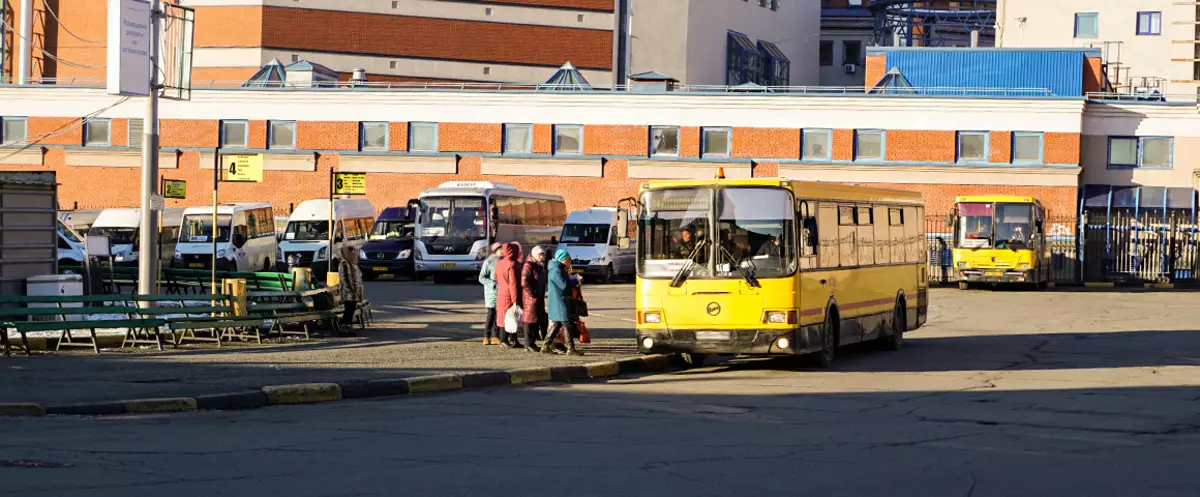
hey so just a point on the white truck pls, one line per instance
(592, 237)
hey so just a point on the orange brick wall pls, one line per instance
(85, 18)
(189, 133)
(119, 133)
(229, 27)
(327, 135)
(258, 134)
(689, 141)
(764, 169)
(921, 146)
(1062, 148)
(603, 139)
(398, 136)
(766, 143)
(470, 137)
(1000, 147)
(876, 70)
(543, 138)
(843, 144)
(71, 131)
(222, 76)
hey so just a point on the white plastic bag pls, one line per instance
(512, 319)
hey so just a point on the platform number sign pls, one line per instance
(350, 184)
(243, 168)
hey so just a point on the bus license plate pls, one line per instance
(449, 264)
(994, 273)
(379, 269)
(577, 271)
(713, 335)
(196, 264)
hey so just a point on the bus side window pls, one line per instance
(808, 234)
(827, 244)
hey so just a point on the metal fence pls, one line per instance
(1148, 245)
(1065, 263)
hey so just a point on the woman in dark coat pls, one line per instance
(508, 288)
(559, 284)
(533, 296)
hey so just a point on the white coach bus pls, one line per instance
(458, 220)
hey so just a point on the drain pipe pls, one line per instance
(26, 47)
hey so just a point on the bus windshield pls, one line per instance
(755, 232)
(673, 227)
(1013, 225)
(198, 228)
(463, 217)
(392, 230)
(585, 233)
(994, 225)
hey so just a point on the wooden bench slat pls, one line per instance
(85, 325)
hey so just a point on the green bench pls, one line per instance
(67, 314)
(196, 318)
(289, 308)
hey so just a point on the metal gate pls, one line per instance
(1138, 234)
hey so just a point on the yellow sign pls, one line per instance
(174, 188)
(350, 184)
(243, 167)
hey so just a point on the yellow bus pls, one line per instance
(776, 267)
(1000, 239)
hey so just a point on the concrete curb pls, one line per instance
(308, 393)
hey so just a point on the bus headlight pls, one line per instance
(962, 264)
(1023, 265)
(362, 255)
(647, 343)
(653, 317)
(779, 317)
(404, 254)
(321, 253)
(221, 254)
(178, 256)
(783, 343)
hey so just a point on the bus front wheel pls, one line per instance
(828, 340)
(692, 360)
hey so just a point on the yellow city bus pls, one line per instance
(776, 267)
(1000, 239)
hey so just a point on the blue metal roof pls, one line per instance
(1060, 71)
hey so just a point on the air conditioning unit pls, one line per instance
(850, 68)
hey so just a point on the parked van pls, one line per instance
(389, 247)
(245, 238)
(590, 238)
(121, 226)
(305, 242)
(80, 220)
(71, 251)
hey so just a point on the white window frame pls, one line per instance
(677, 141)
(271, 136)
(362, 136)
(245, 135)
(557, 127)
(1041, 155)
(1091, 36)
(528, 146)
(87, 132)
(1140, 152)
(728, 141)
(4, 130)
(804, 138)
(422, 125)
(882, 144)
(987, 147)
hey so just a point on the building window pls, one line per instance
(568, 139)
(1087, 25)
(816, 144)
(518, 138)
(235, 134)
(774, 4)
(856, 3)
(869, 145)
(743, 62)
(422, 137)
(1149, 23)
(826, 52)
(1146, 151)
(972, 146)
(1027, 147)
(281, 135)
(715, 142)
(851, 52)
(15, 130)
(373, 136)
(778, 67)
(664, 141)
(97, 133)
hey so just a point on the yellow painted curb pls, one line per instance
(529, 375)
(435, 383)
(1094, 284)
(603, 369)
(1161, 286)
(1051, 285)
(176, 404)
(304, 393)
(22, 410)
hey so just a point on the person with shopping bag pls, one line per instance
(487, 278)
(559, 285)
(533, 296)
(508, 289)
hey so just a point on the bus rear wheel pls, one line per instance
(606, 274)
(895, 340)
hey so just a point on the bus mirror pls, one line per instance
(623, 242)
(622, 224)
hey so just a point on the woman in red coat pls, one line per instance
(533, 296)
(508, 288)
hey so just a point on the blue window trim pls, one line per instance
(650, 140)
(1041, 156)
(423, 124)
(271, 135)
(987, 147)
(554, 144)
(362, 136)
(882, 144)
(1149, 13)
(1141, 148)
(1095, 15)
(528, 139)
(245, 125)
(3, 127)
(87, 128)
(828, 144)
(728, 141)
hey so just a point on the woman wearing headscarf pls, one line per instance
(559, 284)
(487, 278)
(533, 296)
(351, 283)
(508, 288)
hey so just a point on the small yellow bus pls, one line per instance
(1000, 239)
(776, 267)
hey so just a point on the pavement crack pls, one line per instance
(974, 481)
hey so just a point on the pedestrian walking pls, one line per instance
(487, 278)
(350, 285)
(508, 288)
(559, 285)
(533, 296)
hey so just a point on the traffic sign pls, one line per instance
(350, 184)
(157, 202)
(175, 188)
(243, 168)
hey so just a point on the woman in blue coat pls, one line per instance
(558, 309)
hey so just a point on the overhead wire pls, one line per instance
(48, 54)
(68, 30)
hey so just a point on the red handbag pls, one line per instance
(584, 336)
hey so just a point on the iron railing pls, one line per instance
(1060, 240)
